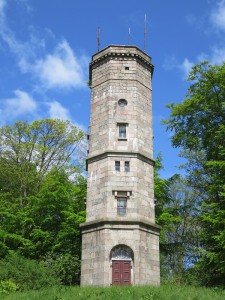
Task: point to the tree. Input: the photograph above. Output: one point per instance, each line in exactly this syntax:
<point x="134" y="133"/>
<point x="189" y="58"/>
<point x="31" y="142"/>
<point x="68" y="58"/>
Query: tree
<point x="198" y="126"/>
<point x="29" y="151"/>
<point x="42" y="193"/>
<point x="180" y="230"/>
<point x="46" y="227"/>
<point x="177" y="213"/>
<point x="161" y="189"/>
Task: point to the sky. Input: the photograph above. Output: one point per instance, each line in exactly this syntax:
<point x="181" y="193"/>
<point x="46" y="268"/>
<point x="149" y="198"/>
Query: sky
<point x="46" y="47"/>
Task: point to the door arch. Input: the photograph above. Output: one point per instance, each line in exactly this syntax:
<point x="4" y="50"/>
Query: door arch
<point x="122" y="258"/>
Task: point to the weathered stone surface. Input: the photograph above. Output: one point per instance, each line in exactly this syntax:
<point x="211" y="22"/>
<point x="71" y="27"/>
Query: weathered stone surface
<point x="120" y="72"/>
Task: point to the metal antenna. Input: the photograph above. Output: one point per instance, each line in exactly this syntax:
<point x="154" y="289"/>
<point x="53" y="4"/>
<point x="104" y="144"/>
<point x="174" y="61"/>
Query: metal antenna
<point x="98" y="37"/>
<point x="129" y="36"/>
<point x="145" y="32"/>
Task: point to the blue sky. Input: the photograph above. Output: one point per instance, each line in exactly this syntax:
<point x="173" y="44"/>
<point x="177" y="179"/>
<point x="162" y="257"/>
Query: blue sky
<point x="46" y="46"/>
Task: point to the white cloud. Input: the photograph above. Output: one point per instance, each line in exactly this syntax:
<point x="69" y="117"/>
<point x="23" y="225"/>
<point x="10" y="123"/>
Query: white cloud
<point x="217" y="16"/>
<point x="21" y="50"/>
<point x="60" y="69"/>
<point x="198" y="22"/>
<point x="2" y="4"/>
<point x="172" y="63"/>
<point x="20" y="105"/>
<point x="218" y="56"/>
<point x="57" y="111"/>
<point x="186" y="66"/>
<point x="217" y="53"/>
<point x="203" y="57"/>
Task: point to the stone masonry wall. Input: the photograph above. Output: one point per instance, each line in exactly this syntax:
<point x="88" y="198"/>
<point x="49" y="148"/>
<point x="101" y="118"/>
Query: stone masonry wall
<point x="106" y="114"/>
<point x="103" y="180"/>
<point x="96" y="266"/>
<point x="120" y="72"/>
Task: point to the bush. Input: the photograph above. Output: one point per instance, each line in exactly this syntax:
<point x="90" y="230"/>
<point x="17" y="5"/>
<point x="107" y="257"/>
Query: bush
<point x="27" y="274"/>
<point x="66" y="267"/>
<point x="7" y="287"/>
<point x="4" y="250"/>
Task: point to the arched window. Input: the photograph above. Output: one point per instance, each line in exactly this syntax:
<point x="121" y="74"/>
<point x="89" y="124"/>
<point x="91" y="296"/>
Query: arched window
<point x="122" y="252"/>
<point x="122" y="102"/>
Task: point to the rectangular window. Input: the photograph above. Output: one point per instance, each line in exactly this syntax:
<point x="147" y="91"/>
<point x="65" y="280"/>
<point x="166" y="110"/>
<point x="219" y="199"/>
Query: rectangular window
<point x="127" y="166"/>
<point x="122" y="131"/>
<point x="121" y="206"/>
<point x="117" y="166"/>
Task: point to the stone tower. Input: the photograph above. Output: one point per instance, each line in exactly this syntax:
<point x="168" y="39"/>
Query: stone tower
<point x="120" y="240"/>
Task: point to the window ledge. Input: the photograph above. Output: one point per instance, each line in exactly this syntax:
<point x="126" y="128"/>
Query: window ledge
<point x="122" y="139"/>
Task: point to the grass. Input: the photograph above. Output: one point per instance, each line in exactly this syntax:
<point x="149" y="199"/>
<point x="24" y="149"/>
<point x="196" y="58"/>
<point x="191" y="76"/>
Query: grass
<point x="164" y="292"/>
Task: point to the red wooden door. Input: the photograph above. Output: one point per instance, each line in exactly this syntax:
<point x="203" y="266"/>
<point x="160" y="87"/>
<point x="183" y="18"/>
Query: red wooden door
<point x="121" y="270"/>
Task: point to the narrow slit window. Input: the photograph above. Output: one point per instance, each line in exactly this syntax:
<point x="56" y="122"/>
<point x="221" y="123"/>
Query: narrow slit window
<point x="122" y="131"/>
<point x="117" y="166"/>
<point x="121" y="206"/>
<point x="127" y="166"/>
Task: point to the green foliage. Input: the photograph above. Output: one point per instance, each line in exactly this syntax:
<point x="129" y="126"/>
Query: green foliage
<point x="42" y="196"/>
<point x="4" y="250"/>
<point x="198" y="127"/>
<point x="29" y="151"/>
<point x="164" y="292"/>
<point x="49" y="221"/>
<point x="201" y="114"/>
<point x="20" y="273"/>
<point x="66" y="266"/>
<point x="177" y="213"/>
<point x="180" y="231"/>
<point x="7" y="287"/>
<point x="160" y="188"/>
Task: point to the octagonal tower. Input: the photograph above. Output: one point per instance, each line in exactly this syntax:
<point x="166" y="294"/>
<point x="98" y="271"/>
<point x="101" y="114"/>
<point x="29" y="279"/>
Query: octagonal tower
<point x="120" y="240"/>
